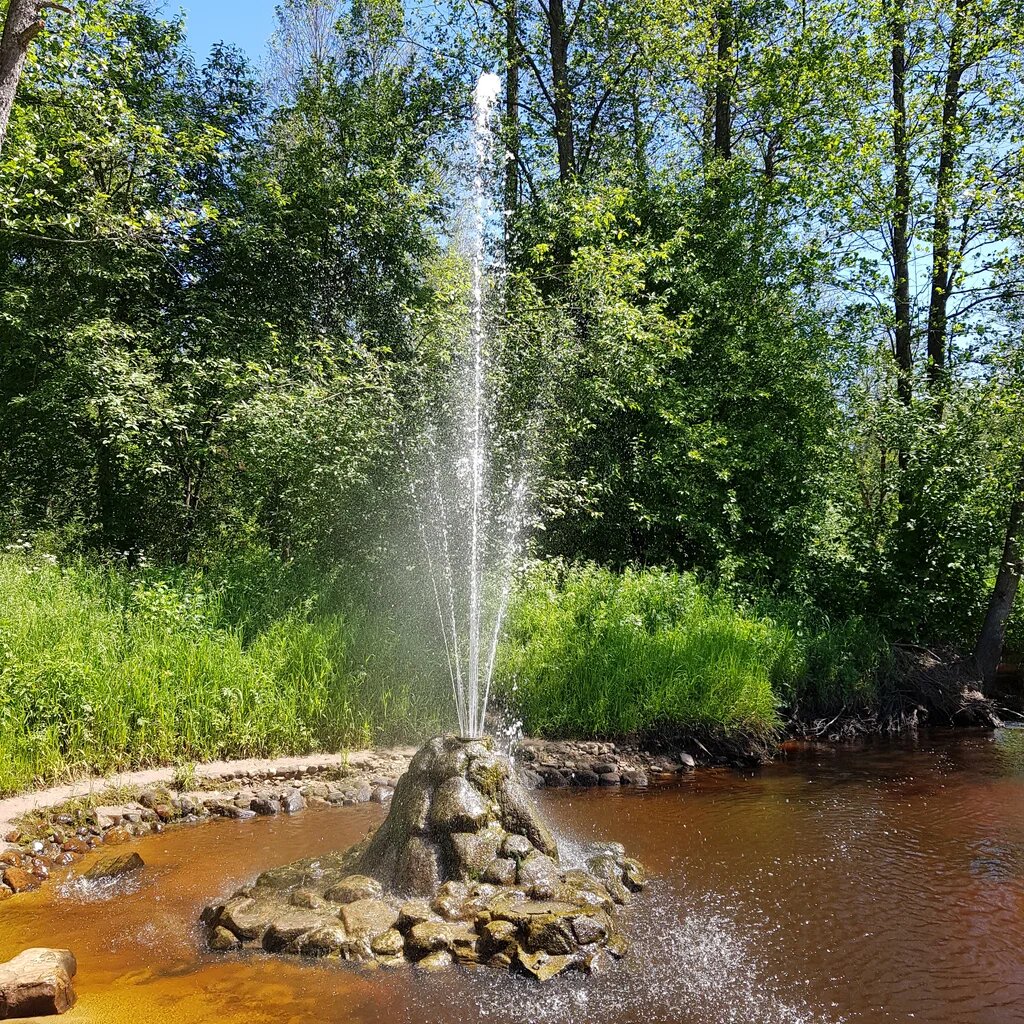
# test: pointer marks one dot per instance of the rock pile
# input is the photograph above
(462, 870)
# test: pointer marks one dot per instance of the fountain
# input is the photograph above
(470, 528)
(462, 870)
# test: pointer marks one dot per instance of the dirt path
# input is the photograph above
(383, 760)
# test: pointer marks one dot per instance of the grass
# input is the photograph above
(104, 669)
(593, 653)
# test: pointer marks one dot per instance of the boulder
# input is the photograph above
(114, 866)
(538, 875)
(17, 879)
(37, 983)
(415, 912)
(368, 919)
(289, 926)
(458, 807)
(541, 965)
(418, 871)
(431, 936)
(474, 851)
(353, 888)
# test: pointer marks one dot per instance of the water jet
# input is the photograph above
(462, 870)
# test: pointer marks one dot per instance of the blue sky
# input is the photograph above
(246, 23)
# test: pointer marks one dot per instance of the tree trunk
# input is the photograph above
(723, 85)
(513, 59)
(561, 93)
(990, 642)
(21, 26)
(941, 272)
(902, 194)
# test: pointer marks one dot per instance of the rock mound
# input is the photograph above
(462, 870)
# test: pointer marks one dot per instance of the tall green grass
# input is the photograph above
(591, 652)
(103, 669)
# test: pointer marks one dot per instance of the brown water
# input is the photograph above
(869, 886)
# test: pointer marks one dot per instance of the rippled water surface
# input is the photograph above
(869, 886)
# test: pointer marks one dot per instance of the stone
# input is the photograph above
(228, 810)
(519, 912)
(431, 936)
(367, 919)
(390, 944)
(419, 867)
(586, 778)
(517, 847)
(518, 816)
(606, 868)
(165, 812)
(308, 899)
(687, 761)
(458, 807)
(293, 802)
(473, 851)
(591, 928)
(287, 927)
(415, 912)
(440, 960)
(266, 806)
(634, 778)
(19, 880)
(634, 877)
(108, 816)
(497, 937)
(246, 917)
(550, 933)
(611, 779)
(487, 772)
(115, 866)
(75, 845)
(582, 889)
(149, 798)
(330, 940)
(37, 983)
(541, 965)
(538, 875)
(451, 901)
(353, 888)
(222, 940)
(501, 871)
(604, 768)
(117, 835)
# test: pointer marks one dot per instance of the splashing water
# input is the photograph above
(469, 525)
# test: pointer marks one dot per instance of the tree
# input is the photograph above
(22, 24)
(989, 648)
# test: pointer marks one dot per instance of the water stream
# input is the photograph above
(883, 886)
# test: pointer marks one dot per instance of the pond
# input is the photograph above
(883, 884)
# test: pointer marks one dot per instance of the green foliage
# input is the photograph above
(592, 653)
(107, 669)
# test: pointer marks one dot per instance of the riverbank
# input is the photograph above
(49, 829)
